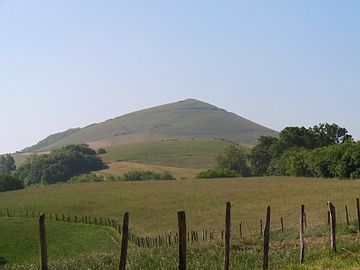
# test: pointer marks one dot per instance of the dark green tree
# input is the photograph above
(7, 164)
(60, 165)
(262, 154)
(328, 134)
(10, 182)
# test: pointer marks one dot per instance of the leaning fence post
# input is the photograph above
(266, 240)
(302, 244)
(43, 244)
(182, 240)
(332, 226)
(227, 236)
(124, 242)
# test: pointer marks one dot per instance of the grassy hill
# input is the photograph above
(179, 153)
(183, 120)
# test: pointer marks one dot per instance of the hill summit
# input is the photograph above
(185, 119)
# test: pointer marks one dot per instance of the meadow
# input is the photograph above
(153, 204)
(153, 207)
(19, 240)
(99, 250)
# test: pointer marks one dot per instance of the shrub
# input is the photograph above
(234, 159)
(140, 175)
(9, 182)
(110, 178)
(218, 173)
(2, 260)
(87, 178)
(101, 151)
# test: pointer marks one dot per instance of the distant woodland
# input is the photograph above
(325, 150)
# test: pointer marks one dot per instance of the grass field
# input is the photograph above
(153, 204)
(181, 153)
(19, 240)
(245, 253)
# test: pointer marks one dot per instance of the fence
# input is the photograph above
(183, 236)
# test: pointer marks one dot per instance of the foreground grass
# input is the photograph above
(19, 240)
(181, 153)
(153, 204)
(209, 256)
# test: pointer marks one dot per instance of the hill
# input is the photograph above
(181, 153)
(181, 120)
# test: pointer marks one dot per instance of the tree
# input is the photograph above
(293, 137)
(310, 138)
(327, 134)
(235, 159)
(9, 182)
(262, 154)
(7, 164)
(60, 165)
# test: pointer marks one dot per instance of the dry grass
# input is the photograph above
(153, 204)
(121, 167)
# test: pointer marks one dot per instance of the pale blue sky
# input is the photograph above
(70, 63)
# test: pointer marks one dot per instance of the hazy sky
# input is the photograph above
(69, 63)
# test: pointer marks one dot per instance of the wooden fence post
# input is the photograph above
(328, 217)
(358, 213)
(332, 226)
(282, 224)
(43, 244)
(227, 236)
(182, 240)
(302, 244)
(266, 240)
(347, 215)
(261, 228)
(240, 229)
(124, 242)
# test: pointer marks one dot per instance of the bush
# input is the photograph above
(9, 182)
(140, 175)
(101, 151)
(2, 260)
(234, 159)
(87, 178)
(218, 173)
(334, 161)
(293, 162)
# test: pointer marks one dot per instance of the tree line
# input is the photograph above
(325, 150)
(58, 166)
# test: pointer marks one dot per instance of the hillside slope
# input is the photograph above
(183, 120)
